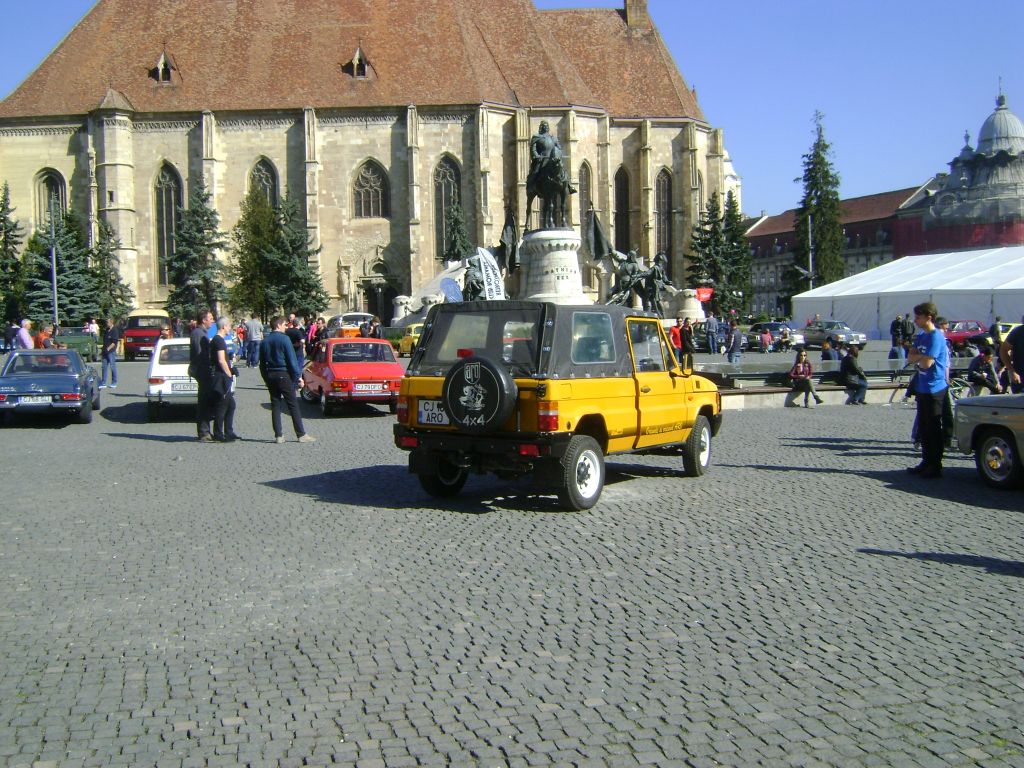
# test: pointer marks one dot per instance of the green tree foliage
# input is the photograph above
(459, 245)
(817, 219)
(77, 294)
(303, 286)
(708, 252)
(193, 269)
(11, 277)
(735, 258)
(114, 296)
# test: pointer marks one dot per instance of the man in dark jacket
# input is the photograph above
(854, 380)
(199, 369)
(283, 375)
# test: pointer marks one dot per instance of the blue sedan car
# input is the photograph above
(48, 381)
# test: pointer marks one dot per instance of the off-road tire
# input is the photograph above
(446, 481)
(583, 478)
(494, 383)
(697, 450)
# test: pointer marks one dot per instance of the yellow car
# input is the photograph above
(409, 339)
(548, 390)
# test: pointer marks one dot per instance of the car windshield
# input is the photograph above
(508, 335)
(174, 353)
(362, 353)
(146, 322)
(32, 365)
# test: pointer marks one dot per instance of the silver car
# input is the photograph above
(833, 330)
(992, 427)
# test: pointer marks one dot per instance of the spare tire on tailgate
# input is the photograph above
(479, 394)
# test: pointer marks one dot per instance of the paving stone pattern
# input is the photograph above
(171, 603)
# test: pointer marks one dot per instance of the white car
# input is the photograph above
(992, 427)
(169, 381)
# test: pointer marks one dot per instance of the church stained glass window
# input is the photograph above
(167, 202)
(264, 178)
(663, 214)
(371, 192)
(622, 241)
(447, 190)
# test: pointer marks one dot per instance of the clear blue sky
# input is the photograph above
(898, 80)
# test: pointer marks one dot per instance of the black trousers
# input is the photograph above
(930, 408)
(203, 412)
(223, 407)
(282, 394)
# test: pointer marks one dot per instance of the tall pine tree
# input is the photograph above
(459, 246)
(735, 257)
(114, 296)
(76, 283)
(257, 270)
(194, 270)
(304, 287)
(708, 253)
(817, 219)
(11, 238)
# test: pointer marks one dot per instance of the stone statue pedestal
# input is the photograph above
(552, 267)
(684, 304)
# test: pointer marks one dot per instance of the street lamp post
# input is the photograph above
(810, 252)
(53, 265)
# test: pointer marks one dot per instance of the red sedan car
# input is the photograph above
(959, 330)
(358, 370)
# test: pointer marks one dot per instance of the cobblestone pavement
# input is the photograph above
(172, 603)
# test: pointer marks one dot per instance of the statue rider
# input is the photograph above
(544, 148)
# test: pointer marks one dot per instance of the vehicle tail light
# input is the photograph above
(156, 380)
(547, 416)
(3, 398)
(529, 450)
(403, 409)
(71, 396)
(464, 352)
(339, 385)
(408, 441)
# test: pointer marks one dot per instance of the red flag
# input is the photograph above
(705, 294)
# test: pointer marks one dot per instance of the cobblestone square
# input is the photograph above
(172, 603)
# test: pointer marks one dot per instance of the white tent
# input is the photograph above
(964, 285)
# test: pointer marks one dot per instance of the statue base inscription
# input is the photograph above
(552, 267)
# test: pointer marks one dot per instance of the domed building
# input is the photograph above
(980, 203)
(374, 115)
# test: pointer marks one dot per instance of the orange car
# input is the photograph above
(353, 370)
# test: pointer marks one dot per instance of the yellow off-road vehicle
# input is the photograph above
(516, 387)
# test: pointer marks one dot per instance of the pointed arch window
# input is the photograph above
(372, 196)
(585, 185)
(264, 178)
(447, 190)
(663, 214)
(622, 211)
(167, 202)
(50, 186)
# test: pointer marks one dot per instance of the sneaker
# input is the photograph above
(279, 439)
(113, 386)
(205, 438)
(102, 386)
(307, 439)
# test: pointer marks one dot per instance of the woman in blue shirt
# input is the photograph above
(930, 356)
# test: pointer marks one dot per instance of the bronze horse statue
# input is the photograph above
(553, 189)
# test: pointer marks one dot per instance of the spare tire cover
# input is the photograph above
(478, 394)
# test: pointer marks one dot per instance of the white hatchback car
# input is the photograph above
(169, 381)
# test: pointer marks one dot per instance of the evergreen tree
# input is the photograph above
(77, 294)
(11, 238)
(708, 253)
(258, 270)
(735, 257)
(817, 219)
(114, 295)
(459, 245)
(193, 269)
(303, 286)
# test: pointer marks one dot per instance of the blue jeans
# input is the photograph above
(109, 361)
(734, 357)
(252, 353)
(857, 387)
(712, 342)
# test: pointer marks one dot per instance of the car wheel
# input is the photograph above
(325, 406)
(997, 459)
(446, 481)
(697, 450)
(583, 480)
(85, 413)
(152, 411)
(478, 394)
(96, 401)
(306, 395)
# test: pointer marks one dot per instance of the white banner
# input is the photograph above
(494, 286)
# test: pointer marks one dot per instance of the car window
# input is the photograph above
(174, 353)
(147, 322)
(593, 340)
(648, 354)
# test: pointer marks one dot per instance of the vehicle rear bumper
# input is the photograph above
(482, 453)
(362, 397)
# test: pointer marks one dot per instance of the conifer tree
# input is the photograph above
(735, 257)
(114, 295)
(258, 271)
(459, 245)
(77, 295)
(194, 270)
(303, 286)
(707, 256)
(11, 238)
(818, 216)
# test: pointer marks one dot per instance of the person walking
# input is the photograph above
(930, 356)
(802, 374)
(109, 354)
(222, 385)
(282, 375)
(675, 336)
(853, 377)
(199, 369)
(686, 337)
(734, 346)
(23, 339)
(711, 333)
(253, 339)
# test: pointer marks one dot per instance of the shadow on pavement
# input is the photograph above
(130, 413)
(158, 438)
(37, 420)
(991, 565)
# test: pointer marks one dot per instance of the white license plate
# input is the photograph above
(432, 412)
(184, 387)
(36, 400)
(377, 387)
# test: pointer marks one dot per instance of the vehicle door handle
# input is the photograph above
(645, 390)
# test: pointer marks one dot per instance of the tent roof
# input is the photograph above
(984, 270)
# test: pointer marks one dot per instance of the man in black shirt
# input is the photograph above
(109, 354)
(296, 333)
(199, 369)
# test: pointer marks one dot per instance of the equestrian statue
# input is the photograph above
(547, 180)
